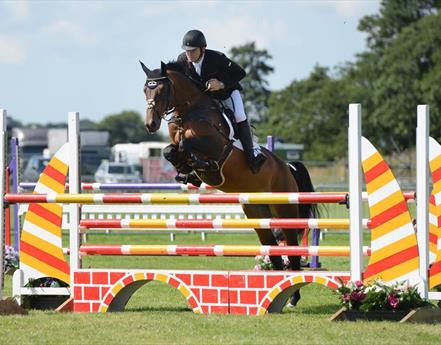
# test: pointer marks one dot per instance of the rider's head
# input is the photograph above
(194, 44)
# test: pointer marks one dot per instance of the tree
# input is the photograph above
(394, 15)
(255, 86)
(410, 75)
(13, 123)
(126, 127)
(86, 124)
(312, 112)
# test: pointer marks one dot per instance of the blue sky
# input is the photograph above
(61, 56)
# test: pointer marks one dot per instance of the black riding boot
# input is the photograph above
(255, 160)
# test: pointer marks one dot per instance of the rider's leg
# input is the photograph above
(254, 156)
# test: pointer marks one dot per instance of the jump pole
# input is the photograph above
(2, 191)
(256, 223)
(216, 250)
(176, 198)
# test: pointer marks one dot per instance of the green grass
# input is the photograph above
(159, 314)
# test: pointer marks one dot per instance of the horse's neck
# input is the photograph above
(188, 97)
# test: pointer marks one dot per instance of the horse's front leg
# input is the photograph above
(179, 161)
(203, 152)
(177, 158)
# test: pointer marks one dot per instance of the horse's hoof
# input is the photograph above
(194, 180)
(294, 300)
(289, 305)
(181, 178)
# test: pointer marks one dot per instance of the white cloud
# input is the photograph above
(162, 8)
(12, 50)
(237, 31)
(355, 8)
(19, 9)
(69, 30)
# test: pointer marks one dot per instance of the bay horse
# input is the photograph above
(201, 141)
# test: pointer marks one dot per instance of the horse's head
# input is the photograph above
(157, 90)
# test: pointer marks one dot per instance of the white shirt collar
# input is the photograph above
(198, 65)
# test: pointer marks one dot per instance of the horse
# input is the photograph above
(201, 142)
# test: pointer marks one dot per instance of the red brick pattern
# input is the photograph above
(218, 292)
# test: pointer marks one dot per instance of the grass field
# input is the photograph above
(158, 314)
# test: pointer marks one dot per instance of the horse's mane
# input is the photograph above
(175, 66)
(181, 68)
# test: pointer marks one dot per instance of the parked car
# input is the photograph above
(34, 167)
(113, 172)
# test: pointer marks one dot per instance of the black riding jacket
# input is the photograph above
(215, 66)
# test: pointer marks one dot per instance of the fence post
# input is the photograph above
(2, 193)
(422, 195)
(15, 171)
(355, 209)
(74, 188)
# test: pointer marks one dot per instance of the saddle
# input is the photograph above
(230, 116)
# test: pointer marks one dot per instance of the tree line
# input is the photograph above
(400, 68)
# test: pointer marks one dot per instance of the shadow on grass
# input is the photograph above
(159, 309)
(324, 309)
(314, 310)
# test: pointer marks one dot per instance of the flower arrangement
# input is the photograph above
(263, 263)
(379, 296)
(11, 261)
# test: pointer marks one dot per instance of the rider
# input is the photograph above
(213, 71)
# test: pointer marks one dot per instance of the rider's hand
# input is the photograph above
(214, 85)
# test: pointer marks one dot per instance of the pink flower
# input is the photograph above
(357, 296)
(359, 283)
(393, 301)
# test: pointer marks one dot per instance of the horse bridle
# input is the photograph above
(153, 84)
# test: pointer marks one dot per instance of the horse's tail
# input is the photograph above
(303, 179)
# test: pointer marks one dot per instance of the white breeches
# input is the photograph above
(235, 103)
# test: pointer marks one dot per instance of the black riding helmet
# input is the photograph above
(193, 39)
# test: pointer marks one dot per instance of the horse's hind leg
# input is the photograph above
(292, 238)
(266, 236)
(291, 235)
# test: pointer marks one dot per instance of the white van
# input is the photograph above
(115, 172)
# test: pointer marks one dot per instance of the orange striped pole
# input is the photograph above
(256, 223)
(216, 250)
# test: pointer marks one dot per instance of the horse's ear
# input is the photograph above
(163, 69)
(144, 68)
